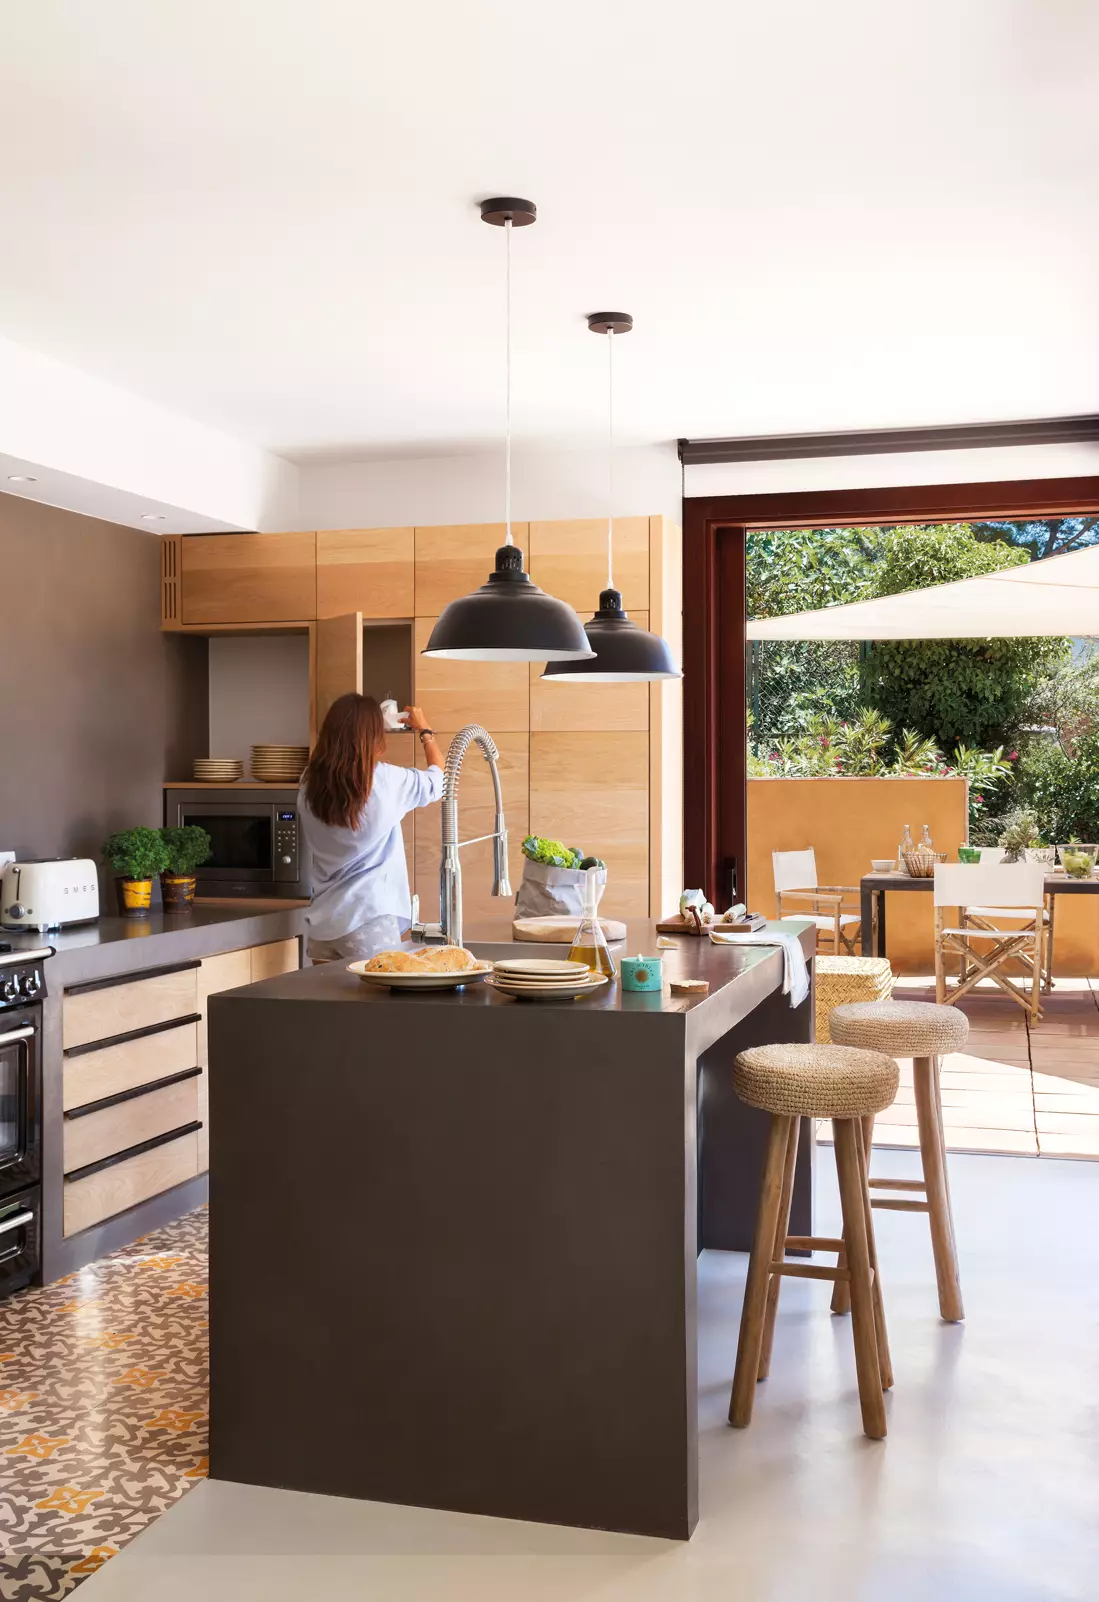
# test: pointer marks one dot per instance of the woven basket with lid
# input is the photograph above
(844, 979)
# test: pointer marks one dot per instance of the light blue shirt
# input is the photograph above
(361, 873)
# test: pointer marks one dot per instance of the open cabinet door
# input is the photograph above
(337, 661)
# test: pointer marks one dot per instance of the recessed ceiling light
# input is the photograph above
(21, 478)
(153, 517)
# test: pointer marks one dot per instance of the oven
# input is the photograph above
(22, 991)
(256, 839)
(20, 1098)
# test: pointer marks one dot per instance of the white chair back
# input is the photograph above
(795, 870)
(992, 854)
(990, 884)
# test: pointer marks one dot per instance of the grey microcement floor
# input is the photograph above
(987, 1489)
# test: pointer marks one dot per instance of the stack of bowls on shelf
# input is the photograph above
(279, 764)
(218, 770)
(545, 979)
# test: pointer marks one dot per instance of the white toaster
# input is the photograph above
(47, 893)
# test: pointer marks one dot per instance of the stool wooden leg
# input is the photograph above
(782, 1229)
(853, 1201)
(752, 1317)
(841, 1295)
(933, 1153)
(865, 1136)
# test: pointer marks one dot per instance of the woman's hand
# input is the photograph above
(414, 719)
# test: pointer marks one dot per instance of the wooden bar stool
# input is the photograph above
(847, 1086)
(925, 1032)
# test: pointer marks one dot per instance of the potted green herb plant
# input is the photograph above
(1020, 830)
(188, 848)
(136, 856)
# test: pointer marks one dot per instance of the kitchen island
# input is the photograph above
(453, 1236)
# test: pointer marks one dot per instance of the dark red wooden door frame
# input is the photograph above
(715, 713)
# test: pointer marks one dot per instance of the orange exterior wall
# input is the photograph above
(850, 821)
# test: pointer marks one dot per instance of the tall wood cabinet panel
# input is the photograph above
(592, 791)
(370, 570)
(337, 667)
(568, 703)
(477, 816)
(248, 578)
(569, 560)
(454, 560)
(496, 694)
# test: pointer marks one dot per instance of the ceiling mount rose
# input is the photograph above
(507, 209)
(610, 323)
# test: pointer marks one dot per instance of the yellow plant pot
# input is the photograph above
(134, 896)
(177, 890)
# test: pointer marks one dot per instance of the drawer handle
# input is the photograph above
(132, 1034)
(89, 985)
(18, 1034)
(132, 1151)
(120, 1096)
(16, 1223)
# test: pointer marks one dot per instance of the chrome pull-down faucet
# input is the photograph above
(449, 927)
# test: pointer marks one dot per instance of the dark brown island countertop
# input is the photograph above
(454, 1236)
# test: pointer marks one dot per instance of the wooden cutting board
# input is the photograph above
(561, 931)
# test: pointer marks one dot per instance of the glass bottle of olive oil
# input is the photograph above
(590, 944)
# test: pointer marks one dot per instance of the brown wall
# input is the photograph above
(97, 706)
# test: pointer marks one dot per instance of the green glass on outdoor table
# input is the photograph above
(970, 854)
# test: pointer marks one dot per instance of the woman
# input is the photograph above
(351, 804)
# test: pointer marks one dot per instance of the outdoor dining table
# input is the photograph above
(873, 888)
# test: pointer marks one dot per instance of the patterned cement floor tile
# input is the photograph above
(103, 1397)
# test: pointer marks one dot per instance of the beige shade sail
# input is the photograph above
(1057, 596)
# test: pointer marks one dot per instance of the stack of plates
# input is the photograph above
(279, 764)
(544, 979)
(218, 770)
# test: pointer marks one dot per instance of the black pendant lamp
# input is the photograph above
(509, 619)
(624, 653)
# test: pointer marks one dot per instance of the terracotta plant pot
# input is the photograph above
(134, 897)
(177, 890)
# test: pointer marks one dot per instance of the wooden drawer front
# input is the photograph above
(249, 578)
(569, 560)
(568, 704)
(280, 956)
(495, 694)
(115, 1069)
(116, 1009)
(124, 1184)
(367, 570)
(453, 561)
(95, 1135)
(227, 971)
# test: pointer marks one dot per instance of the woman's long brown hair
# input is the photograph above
(340, 774)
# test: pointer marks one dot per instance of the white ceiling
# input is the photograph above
(261, 213)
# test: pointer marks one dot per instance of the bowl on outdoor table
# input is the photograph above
(1078, 860)
(883, 864)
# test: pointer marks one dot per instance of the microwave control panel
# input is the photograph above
(286, 844)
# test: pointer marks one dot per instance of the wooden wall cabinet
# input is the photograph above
(370, 570)
(596, 765)
(248, 578)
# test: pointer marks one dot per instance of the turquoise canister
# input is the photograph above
(641, 973)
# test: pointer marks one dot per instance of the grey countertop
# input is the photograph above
(113, 945)
(738, 978)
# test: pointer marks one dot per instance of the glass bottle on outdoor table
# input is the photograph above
(927, 845)
(590, 943)
(907, 844)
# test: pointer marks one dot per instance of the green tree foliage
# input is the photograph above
(1042, 536)
(970, 691)
(1062, 790)
(793, 682)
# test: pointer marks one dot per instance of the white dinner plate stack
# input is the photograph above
(218, 770)
(544, 979)
(279, 764)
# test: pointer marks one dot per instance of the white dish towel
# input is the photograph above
(795, 974)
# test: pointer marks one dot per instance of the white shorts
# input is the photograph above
(376, 934)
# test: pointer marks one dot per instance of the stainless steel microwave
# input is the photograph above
(256, 836)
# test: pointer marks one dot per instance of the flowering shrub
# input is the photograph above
(830, 749)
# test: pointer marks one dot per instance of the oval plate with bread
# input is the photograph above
(422, 968)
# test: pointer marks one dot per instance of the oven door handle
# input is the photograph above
(18, 1034)
(16, 1223)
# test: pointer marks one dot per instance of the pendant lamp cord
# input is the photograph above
(610, 458)
(507, 426)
